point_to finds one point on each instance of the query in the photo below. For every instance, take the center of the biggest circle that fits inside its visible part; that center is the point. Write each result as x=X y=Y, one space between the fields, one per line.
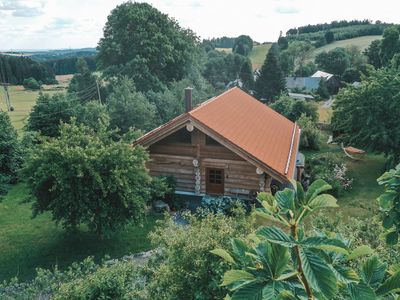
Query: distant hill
x=360 y=42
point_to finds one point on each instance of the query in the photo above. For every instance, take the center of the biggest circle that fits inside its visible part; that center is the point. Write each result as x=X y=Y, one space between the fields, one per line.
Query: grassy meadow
x=361 y=43
x=23 y=100
x=27 y=243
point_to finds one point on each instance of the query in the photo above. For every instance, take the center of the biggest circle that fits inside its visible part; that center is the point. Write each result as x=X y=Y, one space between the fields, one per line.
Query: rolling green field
x=361 y=42
x=257 y=55
x=23 y=100
x=27 y=243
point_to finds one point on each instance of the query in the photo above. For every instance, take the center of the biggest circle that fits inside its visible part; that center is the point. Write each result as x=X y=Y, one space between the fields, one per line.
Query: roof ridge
x=212 y=99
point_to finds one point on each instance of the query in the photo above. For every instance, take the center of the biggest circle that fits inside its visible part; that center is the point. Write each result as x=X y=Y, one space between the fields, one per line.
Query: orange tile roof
x=237 y=117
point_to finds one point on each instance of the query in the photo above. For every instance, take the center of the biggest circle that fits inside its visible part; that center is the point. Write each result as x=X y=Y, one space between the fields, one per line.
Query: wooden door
x=215 y=181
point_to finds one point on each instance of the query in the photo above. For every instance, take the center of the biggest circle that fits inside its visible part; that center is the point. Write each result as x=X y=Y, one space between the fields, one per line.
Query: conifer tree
x=271 y=81
x=246 y=75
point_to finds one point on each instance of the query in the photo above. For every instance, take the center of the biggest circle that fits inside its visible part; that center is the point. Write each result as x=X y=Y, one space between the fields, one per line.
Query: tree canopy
x=87 y=177
x=146 y=45
x=367 y=116
x=129 y=108
x=243 y=45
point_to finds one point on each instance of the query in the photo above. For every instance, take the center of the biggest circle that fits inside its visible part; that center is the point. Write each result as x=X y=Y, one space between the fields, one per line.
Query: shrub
x=220 y=205
x=83 y=280
x=360 y=232
x=186 y=269
x=31 y=84
x=310 y=134
x=329 y=167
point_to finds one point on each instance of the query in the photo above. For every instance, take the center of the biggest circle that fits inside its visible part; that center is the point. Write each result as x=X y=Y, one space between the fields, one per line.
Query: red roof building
x=231 y=144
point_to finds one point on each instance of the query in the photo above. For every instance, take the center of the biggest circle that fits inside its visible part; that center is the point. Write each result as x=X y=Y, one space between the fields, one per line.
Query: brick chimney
x=188 y=99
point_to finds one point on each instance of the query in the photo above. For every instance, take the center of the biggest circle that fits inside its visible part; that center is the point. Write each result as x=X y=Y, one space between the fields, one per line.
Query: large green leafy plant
x=389 y=203
x=282 y=262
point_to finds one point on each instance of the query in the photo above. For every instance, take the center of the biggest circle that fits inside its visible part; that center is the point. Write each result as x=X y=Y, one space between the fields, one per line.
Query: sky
x=60 y=24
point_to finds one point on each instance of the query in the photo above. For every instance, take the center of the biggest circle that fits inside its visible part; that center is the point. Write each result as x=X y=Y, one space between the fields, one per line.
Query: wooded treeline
x=15 y=69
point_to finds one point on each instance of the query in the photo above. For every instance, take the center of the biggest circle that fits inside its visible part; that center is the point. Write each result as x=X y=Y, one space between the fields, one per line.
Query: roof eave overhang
x=181 y=121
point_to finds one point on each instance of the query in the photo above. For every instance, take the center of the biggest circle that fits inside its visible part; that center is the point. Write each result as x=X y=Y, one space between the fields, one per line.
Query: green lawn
x=27 y=243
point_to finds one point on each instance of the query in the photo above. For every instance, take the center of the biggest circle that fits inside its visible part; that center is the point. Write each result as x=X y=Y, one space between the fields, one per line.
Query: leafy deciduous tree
x=146 y=45
x=367 y=116
x=129 y=108
x=86 y=177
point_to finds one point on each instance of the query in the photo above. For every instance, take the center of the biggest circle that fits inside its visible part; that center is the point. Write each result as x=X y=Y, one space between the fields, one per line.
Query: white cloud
x=25 y=9
x=76 y=23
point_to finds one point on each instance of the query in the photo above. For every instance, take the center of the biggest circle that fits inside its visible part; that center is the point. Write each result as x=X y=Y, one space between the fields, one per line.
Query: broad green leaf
x=360 y=251
x=300 y=193
x=322 y=201
x=278 y=259
x=316 y=188
x=232 y=276
x=361 y=291
x=389 y=285
x=386 y=199
x=239 y=248
x=277 y=236
x=332 y=248
x=388 y=221
x=224 y=254
x=325 y=243
x=253 y=291
x=318 y=273
x=287 y=276
x=262 y=215
x=286 y=295
x=373 y=271
x=285 y=199
x=392 y=238
x=345 y=274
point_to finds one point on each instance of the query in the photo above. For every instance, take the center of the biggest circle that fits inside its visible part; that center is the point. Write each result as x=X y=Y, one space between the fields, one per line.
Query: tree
x=367 y=116
x=294 y=109
x=129 y=108
x=86 y=177
x=93 y=114
x=247 y=76
x=243 y=45
x=271 y=81
x=285 y=262
x=322 y=90
x=11 y=155
x=389 y=202
x=329 y=37
x=310 y=134
x=282 y=42
x=84 y=84
x=390 y=44
x=300 y=52
x=31 y=84
x=146 y=45
x=49 y=111
x=373 y=54
x=335 y=61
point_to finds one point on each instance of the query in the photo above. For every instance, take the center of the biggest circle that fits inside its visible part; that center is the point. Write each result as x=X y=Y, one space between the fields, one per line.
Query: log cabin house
x=231 y=145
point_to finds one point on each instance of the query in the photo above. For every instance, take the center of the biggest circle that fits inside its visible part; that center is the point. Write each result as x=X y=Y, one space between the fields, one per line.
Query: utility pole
x=98 y=91
x=6 y=95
